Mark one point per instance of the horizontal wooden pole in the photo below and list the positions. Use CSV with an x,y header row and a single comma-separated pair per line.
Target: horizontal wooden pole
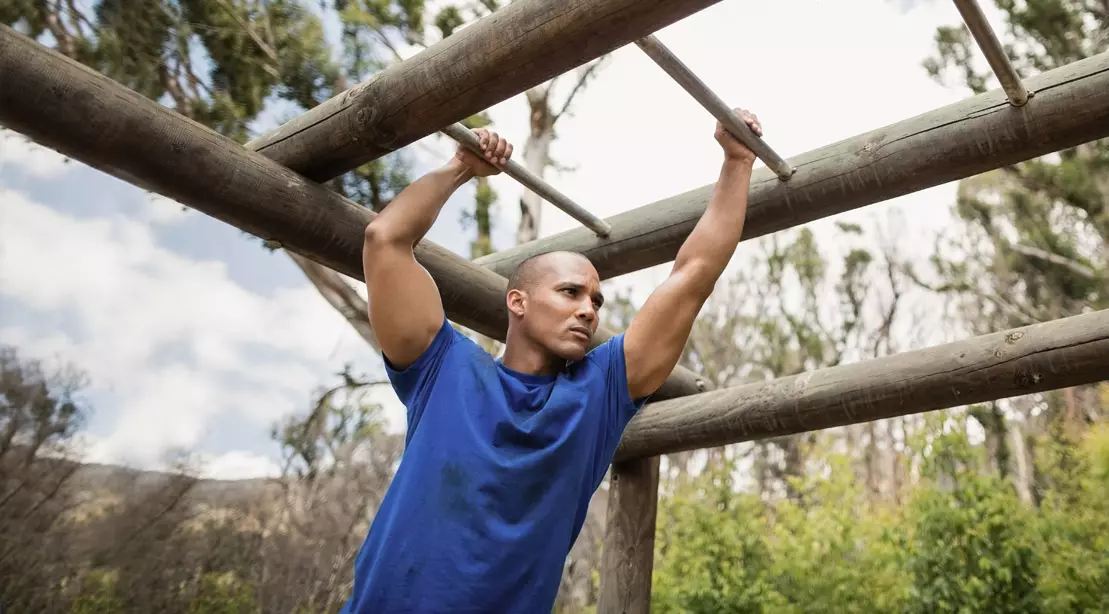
x,y
82,114
499,56
1070,351
981,133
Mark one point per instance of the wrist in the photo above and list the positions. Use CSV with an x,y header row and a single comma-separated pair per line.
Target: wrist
x,y
458,169
738,162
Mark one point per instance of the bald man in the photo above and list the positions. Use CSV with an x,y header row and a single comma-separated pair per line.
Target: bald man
x,y
502,455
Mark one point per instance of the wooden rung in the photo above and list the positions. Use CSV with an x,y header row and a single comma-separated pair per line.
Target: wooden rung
x,y
529,180
713,104
983,34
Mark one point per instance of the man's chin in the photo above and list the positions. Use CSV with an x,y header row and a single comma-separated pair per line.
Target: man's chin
x,y
573,350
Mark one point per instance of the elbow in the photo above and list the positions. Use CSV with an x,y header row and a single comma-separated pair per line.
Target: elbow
x,y
698,276
378,235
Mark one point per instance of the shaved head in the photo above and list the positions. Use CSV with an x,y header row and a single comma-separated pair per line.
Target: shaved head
x,y
533,268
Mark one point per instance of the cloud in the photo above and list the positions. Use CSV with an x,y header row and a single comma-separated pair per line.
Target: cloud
x,y
237,464
17,151
174,343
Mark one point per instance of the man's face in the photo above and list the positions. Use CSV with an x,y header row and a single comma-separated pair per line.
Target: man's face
x,y
560,307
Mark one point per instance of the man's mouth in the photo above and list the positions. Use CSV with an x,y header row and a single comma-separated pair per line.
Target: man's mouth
x,y
583,331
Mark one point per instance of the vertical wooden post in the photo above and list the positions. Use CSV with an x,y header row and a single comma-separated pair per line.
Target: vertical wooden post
x,y
628,555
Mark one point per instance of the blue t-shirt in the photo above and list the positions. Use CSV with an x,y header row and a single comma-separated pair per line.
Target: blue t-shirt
x,y
496,477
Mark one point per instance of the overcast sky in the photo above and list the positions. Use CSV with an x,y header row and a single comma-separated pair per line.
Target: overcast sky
x,y
195,337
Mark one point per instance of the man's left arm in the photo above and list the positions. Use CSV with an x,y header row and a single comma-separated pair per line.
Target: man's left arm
x,y
654,341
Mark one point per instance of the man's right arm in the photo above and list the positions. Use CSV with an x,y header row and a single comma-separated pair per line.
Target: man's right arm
x,y
405,308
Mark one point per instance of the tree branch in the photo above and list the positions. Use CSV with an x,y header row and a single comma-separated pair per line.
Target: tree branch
x,y
1075,267
262,45
584,75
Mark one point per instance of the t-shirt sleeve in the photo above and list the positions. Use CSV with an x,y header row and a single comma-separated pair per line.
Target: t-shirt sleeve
x,y
413,384
609,357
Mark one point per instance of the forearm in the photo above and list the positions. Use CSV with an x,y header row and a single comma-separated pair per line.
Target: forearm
x,y
411,214
708,248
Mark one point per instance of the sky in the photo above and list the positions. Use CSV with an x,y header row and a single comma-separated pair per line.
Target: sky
x,y
196,338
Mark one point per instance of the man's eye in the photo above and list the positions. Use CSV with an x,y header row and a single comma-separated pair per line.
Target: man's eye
x,y
569,291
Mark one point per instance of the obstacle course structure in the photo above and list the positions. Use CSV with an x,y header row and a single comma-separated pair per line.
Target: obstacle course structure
x,y
270,189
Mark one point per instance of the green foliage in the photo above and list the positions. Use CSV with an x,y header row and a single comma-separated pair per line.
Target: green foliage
x,y
223,594
972,547
221,62
962,541
98,594
712,553
1074,532
835,553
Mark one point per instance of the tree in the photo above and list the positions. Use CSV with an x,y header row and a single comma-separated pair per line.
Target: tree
x,y
1032,239
972,547
40,410
338,462
793,307
220,62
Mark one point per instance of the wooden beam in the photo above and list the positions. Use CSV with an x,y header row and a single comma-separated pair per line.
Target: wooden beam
x,y
628,555
1067,352
67,106
521,45
981,133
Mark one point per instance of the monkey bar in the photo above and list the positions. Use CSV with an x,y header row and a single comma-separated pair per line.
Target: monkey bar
x,y
984,36
959,140
684,77
520,46
87,116
513,169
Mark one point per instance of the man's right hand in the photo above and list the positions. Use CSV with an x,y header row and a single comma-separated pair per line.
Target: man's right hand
x,y
496,150
733,148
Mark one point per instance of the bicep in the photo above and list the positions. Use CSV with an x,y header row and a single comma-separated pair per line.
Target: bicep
x,y
405,308
657,335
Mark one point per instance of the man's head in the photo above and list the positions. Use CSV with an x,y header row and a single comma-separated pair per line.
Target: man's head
x,y
553,299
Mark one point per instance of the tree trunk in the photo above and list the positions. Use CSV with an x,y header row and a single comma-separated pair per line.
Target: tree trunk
x,y
1023,476
537,155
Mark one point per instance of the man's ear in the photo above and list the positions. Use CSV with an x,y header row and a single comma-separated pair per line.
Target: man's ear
x,y
517,302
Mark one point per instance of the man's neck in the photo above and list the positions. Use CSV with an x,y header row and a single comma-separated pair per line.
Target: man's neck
x,y
522,356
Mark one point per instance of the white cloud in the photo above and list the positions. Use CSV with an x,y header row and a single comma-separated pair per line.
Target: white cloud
x,y
137,305
17,151
237,464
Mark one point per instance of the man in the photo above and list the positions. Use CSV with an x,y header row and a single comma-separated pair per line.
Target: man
x,y
502,456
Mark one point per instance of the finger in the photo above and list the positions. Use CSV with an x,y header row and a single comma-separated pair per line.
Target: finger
x,y
502,145
507,154
491,151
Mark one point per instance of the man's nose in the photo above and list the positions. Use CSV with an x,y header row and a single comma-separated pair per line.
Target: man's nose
x,y
586,311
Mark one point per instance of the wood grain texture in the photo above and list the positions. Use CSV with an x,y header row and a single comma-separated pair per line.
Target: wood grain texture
x,y
1070,351
66,106
519,46
628,555
981,133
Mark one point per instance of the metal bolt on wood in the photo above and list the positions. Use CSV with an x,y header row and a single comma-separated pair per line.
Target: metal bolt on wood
x,y
713,104
513,169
